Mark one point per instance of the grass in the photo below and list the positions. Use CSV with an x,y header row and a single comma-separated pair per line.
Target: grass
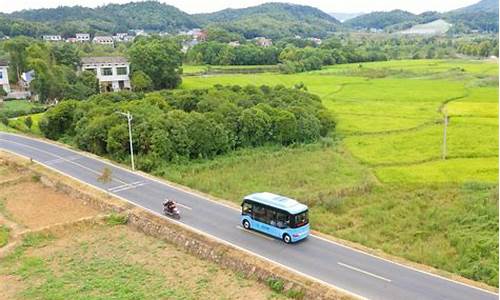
x,y
450,226
20,125
310,173
4,235
14,108
102,262
383,183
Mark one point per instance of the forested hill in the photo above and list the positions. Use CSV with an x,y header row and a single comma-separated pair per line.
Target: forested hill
x,y
482,16
112,18
273,20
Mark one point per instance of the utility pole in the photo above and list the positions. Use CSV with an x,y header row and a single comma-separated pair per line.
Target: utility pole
x,y
129,120
444,133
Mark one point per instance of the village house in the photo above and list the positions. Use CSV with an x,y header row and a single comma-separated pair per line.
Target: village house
x,y
263,42
112,72
83,37
317,41
52,38
71,40
234,44
4,76
103,40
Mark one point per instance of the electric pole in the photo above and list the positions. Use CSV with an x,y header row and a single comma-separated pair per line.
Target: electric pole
x,y
129,120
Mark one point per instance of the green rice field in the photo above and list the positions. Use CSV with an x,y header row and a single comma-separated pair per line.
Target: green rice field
x,y
381,179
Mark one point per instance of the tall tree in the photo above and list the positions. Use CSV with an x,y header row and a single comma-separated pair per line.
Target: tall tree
x,y
159,58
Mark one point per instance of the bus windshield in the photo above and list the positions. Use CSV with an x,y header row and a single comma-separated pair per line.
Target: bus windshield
x,y
300,219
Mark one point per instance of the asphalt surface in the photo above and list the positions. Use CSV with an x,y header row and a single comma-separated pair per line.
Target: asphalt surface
x,y
353,271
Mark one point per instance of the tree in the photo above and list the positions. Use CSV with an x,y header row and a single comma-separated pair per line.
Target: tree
x,y
141,82
16,48
159,58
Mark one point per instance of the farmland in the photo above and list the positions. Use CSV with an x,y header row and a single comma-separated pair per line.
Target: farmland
x,y
381,180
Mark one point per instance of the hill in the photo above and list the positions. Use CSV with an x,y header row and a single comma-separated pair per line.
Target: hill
x,y
381,19
272,20
482,16
148,15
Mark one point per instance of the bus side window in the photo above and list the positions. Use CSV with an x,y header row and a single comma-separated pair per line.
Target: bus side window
x,y
247,208
259,213
282,220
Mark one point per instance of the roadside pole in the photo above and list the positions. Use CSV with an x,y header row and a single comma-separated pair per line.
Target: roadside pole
x,y
129,120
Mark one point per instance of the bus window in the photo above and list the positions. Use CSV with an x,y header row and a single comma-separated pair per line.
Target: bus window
x,y
300,219
282,220
247,208
259,213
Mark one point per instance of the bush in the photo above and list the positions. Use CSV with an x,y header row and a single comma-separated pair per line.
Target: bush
x,y
116,219
276,285
28,121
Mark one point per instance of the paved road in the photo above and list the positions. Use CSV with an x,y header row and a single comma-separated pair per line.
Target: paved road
x,y
361,274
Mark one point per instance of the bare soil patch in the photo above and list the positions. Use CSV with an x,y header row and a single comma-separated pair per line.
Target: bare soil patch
x,y
34,205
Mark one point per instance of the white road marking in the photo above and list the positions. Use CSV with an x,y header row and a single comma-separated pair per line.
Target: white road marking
x,y
256,233
91,156
188,227
363,271
58,160
127,186
182,205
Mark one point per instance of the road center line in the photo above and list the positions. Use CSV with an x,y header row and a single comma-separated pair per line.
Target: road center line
x,y
182,205
363,271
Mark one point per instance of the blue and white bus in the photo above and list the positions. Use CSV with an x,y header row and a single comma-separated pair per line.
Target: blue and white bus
x,y
275,215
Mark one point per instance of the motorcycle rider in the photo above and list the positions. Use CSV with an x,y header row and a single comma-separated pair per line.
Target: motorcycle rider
x,y
169,205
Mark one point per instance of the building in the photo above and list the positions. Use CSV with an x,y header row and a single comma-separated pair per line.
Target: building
x,y
4,76
112,72
316,41
52,38
234,44
104,40
83,37
263,42
71,40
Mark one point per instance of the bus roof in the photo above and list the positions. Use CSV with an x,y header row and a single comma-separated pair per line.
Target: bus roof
x,y
290,205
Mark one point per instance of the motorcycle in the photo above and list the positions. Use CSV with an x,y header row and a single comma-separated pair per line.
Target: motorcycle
x,y
174,212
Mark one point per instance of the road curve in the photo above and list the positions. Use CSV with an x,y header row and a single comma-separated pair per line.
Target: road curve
x,y
353,271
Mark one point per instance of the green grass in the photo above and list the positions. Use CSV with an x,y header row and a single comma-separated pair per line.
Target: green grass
x,y
4,235
20,125
14,108
102,262
452,226
383,183
310,173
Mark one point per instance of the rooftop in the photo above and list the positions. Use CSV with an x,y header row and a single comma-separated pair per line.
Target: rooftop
x,y
3,62
287,204
104,60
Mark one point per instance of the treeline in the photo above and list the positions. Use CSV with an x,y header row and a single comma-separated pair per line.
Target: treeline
x,y
176,125
298,55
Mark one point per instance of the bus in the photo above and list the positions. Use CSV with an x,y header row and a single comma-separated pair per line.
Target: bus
x,y
275,215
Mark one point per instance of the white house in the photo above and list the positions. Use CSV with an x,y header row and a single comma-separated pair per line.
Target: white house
x,y
83,37
103,40
4,76
52,38
112,72
263,42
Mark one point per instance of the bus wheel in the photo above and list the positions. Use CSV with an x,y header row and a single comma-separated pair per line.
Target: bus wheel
x,y
287,239
246,224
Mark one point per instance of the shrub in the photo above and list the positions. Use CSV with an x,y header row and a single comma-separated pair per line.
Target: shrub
x,y
116,219
276,285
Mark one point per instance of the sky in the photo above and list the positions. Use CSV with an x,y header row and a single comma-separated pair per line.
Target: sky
x,y
197,6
